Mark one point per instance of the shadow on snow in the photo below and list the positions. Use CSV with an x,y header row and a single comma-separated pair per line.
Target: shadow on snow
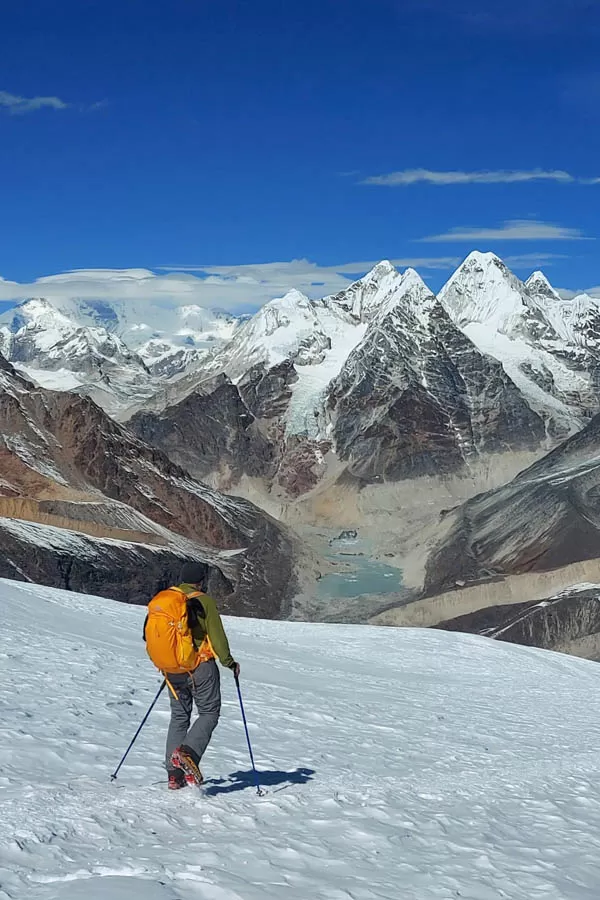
x,y
240,781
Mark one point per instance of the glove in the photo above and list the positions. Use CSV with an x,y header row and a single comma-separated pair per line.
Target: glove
x,y
236,669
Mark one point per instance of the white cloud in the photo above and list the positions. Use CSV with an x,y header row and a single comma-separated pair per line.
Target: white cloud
x,y
500,176
305,269
568,294
514,230
234,288
15,104
532,260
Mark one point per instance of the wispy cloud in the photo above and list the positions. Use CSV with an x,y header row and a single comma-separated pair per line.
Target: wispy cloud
x,y
500,176
233,288
568,294
532,260
16,105
305,269
514,230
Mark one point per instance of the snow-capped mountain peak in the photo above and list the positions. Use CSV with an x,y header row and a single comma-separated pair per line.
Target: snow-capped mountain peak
x,y
46,329
363,298
482,258
412,281
292,299
410,295
383,268
484,290
534,334
37,313
538,285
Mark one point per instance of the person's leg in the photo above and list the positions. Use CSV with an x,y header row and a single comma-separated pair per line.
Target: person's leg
x,y
181,713
207,697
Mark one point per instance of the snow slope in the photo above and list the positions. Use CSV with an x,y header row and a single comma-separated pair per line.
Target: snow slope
x,y
399,764
317,335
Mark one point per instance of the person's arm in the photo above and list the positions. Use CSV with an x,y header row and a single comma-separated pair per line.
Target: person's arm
x,y
216,633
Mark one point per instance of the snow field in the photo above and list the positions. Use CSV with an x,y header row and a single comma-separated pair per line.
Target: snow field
x,y
400,764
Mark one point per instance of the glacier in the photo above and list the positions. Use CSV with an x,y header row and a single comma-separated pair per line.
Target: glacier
x,y
397,763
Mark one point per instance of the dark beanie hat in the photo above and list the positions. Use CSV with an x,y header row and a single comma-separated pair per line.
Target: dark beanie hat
x,y
193,573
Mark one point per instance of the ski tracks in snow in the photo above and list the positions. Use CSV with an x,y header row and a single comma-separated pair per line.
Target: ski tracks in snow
x,y
399,764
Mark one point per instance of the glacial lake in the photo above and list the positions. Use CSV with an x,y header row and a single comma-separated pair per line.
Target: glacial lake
x,y
359,573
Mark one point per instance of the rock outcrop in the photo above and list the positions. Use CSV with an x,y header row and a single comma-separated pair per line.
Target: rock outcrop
x,y
568,622
125,569
211,433
547,517
55,444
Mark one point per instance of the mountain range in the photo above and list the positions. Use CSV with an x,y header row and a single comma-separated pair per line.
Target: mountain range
x,y
385,377
145,426
385,381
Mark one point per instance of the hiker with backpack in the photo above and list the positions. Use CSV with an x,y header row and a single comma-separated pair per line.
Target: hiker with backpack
x,y
184,637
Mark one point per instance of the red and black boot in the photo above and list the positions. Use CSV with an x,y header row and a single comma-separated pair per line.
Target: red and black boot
x,y
177,779
185,758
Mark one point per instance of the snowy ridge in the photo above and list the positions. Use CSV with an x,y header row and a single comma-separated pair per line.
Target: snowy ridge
x,y
364,297
549,347
538,285
484,290
48,331
452,767
57,352
116,352
128,353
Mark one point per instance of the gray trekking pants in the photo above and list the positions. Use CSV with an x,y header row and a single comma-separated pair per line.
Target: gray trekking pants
x,y
202,687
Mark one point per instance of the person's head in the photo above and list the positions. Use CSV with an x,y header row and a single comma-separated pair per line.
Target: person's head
x,y
194,573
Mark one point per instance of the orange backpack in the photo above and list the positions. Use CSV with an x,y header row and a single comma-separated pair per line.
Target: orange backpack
x,y
169,641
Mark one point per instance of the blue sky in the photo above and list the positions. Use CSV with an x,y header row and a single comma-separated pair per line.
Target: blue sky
x,y
192,134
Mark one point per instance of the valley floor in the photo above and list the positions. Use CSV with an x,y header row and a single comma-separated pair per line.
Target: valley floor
x,y
399,763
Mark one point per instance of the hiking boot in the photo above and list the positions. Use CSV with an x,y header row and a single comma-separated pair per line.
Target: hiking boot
x,y
177,779
185,758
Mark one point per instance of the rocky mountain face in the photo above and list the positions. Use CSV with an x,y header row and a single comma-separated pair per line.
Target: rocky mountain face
x,y
568,622
125,569
416,397
211,433
224,432
546,518
125,496
377,375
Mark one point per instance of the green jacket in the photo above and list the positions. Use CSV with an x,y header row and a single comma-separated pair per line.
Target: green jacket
x,y
208,622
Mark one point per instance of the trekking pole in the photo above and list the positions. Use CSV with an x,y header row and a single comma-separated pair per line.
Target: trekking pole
x,y
259,791
143,722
